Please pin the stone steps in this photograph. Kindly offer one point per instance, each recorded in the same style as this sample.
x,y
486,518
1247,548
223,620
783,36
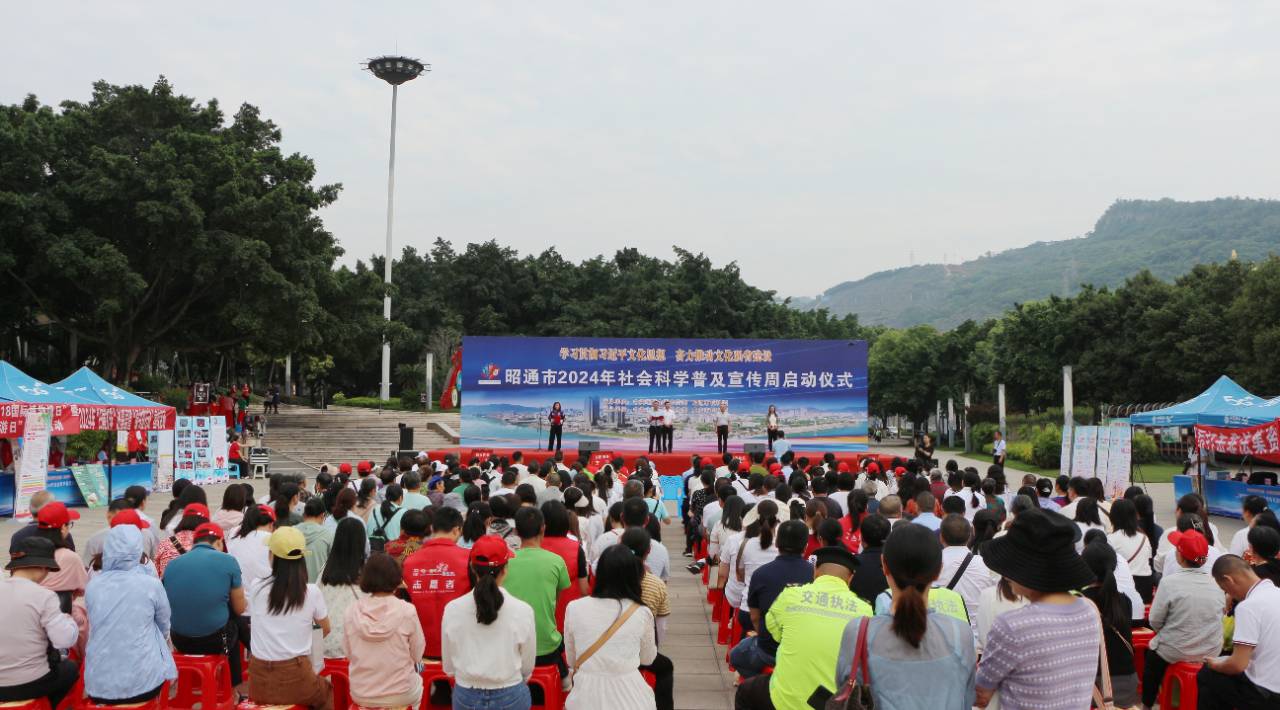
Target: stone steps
x,y
337,434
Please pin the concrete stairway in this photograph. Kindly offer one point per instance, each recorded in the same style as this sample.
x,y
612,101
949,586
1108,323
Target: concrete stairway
x,y
336,434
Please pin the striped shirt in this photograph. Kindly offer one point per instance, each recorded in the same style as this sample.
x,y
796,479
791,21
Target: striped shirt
x,y
1043,656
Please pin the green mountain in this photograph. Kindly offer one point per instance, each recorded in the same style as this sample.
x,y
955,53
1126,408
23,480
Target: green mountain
x,y
1165,236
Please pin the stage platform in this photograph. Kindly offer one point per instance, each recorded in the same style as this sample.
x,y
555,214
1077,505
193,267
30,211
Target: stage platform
x,y
667,464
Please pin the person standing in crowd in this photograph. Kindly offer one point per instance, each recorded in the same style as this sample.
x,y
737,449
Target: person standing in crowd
x,y
34,623
536,577
608,636
556,419
1186,614
382,640
436,574
1025,658
127,659
772,425
284,608
206,596
1116,612
1248,679
340,581
806,621
488,635
655,427
384,523
998,448
722,429
668,426
924,452
319,538
916,657
755,653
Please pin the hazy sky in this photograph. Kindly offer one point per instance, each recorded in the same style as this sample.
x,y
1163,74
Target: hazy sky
x,y
810,142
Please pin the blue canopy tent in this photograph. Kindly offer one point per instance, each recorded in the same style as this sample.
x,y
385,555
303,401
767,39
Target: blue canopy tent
x,y
18,386
86,385
1225,404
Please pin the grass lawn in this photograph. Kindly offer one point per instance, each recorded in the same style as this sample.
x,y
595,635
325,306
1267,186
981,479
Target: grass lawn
x,y
1159,472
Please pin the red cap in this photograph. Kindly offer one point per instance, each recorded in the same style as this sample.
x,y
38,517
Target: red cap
x,y
842,467
490,551
344,467
775,469
199,509
204,530
364,466
129,517
54,515
899,471
1191,545
268,511
873,467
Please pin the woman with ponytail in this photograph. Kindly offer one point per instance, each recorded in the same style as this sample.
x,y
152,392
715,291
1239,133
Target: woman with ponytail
x,y
911,643
815,511
488,636
1116,610
755,550
972,494
475,524
852,522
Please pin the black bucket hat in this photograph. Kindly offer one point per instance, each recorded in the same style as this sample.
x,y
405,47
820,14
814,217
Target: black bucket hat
x,y
1039,552
32,552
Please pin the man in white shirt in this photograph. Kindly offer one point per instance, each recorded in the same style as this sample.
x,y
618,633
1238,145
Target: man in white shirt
x,y
962,571
517,462
655,427
723,471
668,426
997,449
722,429
1248,679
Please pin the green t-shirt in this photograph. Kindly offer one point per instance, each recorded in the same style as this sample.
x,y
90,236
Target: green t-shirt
x,y
808,622
536,577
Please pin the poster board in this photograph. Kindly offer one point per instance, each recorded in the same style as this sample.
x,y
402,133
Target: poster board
x,y
1083,451
218,449
200,449
34,461
1119,458
1103,451
1064,459
160,447
91,479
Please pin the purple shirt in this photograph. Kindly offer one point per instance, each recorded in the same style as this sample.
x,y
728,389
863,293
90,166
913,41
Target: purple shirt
x,y
1043,657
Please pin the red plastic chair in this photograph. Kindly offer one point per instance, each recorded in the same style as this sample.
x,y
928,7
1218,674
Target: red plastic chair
x,y
432,671
548,678
250,705
156,703
1184,676
203,680
650,679
1141,640
33,704
338,671
724,632
718,604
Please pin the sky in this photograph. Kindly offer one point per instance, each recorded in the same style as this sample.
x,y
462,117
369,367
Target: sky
x,y
811,143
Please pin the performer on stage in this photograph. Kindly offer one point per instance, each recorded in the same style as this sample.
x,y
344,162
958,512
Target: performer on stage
x,y
668,425
722,429
771,422
556,417
655,427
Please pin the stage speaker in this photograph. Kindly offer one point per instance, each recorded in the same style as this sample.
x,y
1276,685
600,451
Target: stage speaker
x,y
411,453
406,437
754,448
586,447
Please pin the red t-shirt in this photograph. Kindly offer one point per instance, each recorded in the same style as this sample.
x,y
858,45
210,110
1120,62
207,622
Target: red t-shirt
x,y
233,451
852,536
436,574
569,550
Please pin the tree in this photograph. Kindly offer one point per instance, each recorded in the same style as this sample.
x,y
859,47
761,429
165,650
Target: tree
x,y
903,368
140,219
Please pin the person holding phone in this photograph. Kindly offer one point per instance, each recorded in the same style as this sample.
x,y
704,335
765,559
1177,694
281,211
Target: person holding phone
x,y
556,418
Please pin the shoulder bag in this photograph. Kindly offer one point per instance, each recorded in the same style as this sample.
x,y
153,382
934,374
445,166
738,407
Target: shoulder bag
x,y
854,695
960,572
604,638
1103,697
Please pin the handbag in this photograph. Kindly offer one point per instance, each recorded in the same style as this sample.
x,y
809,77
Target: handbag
x,y
854,695
604,638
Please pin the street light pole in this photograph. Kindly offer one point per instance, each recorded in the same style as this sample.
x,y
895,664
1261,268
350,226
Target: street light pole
x,y
394,71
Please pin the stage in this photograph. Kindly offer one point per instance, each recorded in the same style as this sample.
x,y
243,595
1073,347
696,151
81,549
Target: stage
x,y
671,464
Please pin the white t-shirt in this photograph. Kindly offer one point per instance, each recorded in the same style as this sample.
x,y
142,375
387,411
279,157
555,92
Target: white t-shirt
x,y
254,557
1137,547
1258,625
735,592
280,637
669,417
997,449
753,558
1239,542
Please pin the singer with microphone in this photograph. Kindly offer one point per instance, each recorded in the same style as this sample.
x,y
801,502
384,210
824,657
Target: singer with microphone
x,y
556,418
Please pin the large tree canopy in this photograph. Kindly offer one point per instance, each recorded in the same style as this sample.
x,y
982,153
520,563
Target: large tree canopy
x,y
141,219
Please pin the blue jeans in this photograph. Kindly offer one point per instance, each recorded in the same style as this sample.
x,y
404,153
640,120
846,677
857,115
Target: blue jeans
x,y
515,697
749,659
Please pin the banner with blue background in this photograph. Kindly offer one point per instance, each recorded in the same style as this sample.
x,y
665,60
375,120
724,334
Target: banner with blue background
x,y
606,388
